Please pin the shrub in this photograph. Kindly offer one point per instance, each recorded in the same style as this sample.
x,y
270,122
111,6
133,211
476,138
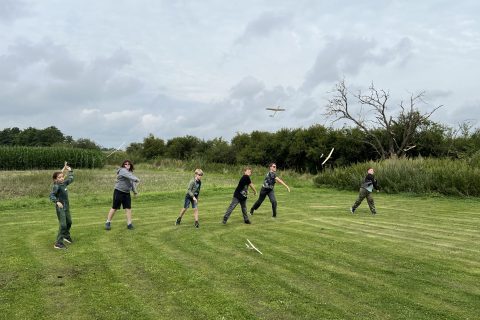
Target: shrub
x,y
421,176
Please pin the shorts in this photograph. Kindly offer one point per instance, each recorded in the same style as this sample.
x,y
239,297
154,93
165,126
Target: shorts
x,y
121,198
189,200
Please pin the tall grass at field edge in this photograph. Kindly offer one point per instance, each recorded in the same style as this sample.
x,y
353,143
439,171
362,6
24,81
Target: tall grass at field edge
x,y
418,176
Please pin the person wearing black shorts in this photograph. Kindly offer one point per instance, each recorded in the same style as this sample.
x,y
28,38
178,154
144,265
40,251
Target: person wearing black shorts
x,y
126,182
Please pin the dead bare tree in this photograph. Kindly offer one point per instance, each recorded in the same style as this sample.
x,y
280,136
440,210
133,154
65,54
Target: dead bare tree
x,y
374,115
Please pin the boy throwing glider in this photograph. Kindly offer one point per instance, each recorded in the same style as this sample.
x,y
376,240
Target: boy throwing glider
x,y
369,183
267,190
240,196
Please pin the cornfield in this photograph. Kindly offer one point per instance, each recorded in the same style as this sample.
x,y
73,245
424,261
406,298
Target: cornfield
x,y
27,158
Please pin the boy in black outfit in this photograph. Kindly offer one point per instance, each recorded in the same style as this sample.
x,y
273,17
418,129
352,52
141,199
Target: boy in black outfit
x,y
240,196
366,190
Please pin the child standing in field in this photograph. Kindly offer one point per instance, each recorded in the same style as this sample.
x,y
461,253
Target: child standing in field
x,y
193,191
59,196
126,182
369,183
240,196
267,190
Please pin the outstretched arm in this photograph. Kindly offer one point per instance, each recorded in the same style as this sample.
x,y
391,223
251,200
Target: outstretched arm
x,y
70,173
281,182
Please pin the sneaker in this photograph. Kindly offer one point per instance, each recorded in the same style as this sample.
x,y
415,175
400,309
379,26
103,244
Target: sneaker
x,y
224,221
352,211
374,212
177,222
130,226
59,245
107,226
251,211
68,240
197,225
247,222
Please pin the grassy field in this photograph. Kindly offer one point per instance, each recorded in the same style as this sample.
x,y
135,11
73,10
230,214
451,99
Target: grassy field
x,y
419,258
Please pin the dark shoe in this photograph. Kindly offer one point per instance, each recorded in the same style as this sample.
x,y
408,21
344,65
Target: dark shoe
x,y
247,222
224,221
197,225
251,211
374,212
352,211
107,226
68,240
59,245
177,222
130,226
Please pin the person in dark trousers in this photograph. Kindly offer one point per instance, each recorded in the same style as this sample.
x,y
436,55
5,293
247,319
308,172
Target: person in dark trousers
x,y
59,196
126,182
240,196
366,189
267,190
193,191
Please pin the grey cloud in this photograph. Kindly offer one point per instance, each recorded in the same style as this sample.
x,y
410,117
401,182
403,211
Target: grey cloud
x,y
264,25
438,94
18,57
11,10
347,56
47,75
452,115
307,109
248,87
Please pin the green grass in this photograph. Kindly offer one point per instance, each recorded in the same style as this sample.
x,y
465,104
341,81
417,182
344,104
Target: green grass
x,y
417,259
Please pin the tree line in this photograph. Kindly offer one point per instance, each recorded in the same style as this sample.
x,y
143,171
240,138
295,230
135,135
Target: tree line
x,y
304,149
48,137
300,149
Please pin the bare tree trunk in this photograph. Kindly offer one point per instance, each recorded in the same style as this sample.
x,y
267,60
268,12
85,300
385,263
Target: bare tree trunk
x,y
376,117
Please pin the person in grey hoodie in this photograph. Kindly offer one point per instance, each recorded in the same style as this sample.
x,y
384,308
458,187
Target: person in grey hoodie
x,y
126,182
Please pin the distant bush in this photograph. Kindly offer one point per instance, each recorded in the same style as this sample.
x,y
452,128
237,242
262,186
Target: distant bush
x,y
26,158
421,176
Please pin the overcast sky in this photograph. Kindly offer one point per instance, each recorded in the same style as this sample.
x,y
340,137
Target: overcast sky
x,y
115,71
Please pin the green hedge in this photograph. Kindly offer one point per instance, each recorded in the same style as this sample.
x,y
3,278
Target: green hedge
x,y
26,158
421,176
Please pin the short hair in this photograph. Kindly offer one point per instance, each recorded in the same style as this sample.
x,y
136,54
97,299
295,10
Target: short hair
x,y
131,164
247,168
199,172
55,174
271,164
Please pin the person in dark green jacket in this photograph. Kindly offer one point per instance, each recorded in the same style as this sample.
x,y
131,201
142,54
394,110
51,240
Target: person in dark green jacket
x,y
59,196
193,191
